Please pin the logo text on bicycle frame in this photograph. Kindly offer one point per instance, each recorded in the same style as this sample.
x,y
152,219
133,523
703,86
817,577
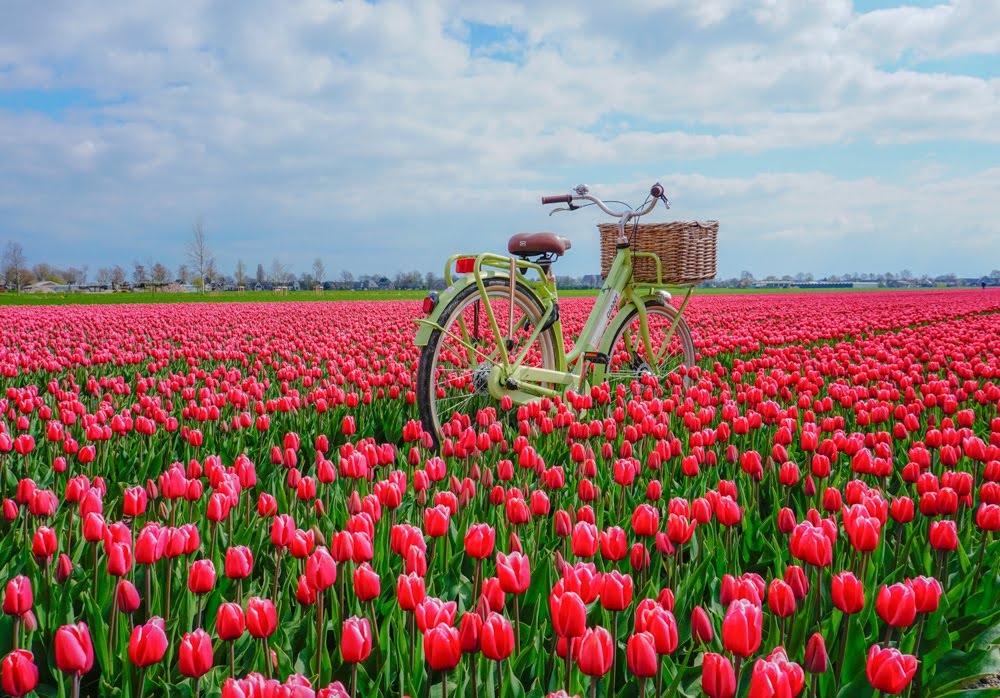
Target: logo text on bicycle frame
x,y
607,303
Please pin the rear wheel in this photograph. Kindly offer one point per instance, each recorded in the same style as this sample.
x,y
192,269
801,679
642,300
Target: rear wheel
x,y
628,359
455,365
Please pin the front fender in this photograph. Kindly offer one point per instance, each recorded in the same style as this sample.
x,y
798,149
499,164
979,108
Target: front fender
x,y
622,315
427,325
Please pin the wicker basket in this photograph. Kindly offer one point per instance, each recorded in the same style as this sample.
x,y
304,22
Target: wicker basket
x,y
686,250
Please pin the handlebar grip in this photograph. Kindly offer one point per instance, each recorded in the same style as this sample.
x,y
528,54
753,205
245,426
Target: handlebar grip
x,y
557,199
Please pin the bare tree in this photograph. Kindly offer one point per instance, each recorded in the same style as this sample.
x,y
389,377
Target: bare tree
x,y
183,275
210,274
319,271
117,276
160,274
241,272
261,276
346,278
278,271
103,276
14,264
138,273
198,253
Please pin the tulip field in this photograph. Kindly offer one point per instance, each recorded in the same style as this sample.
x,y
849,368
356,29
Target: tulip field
x,y
239,500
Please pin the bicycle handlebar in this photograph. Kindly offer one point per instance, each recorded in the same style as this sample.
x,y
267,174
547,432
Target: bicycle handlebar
x,y
656,192
557,199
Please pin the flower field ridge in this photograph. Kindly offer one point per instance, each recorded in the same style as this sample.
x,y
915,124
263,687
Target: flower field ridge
x,y
239,500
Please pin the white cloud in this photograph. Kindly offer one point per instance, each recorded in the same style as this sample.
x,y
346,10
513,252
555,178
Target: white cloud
x,y
285,124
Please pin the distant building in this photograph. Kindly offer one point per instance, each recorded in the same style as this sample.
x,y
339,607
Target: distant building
x,y
45,287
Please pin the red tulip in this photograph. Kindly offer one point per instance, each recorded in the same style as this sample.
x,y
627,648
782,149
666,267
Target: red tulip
x,y
741,627
321,569
409,591
366,583
569,615
432,612
126,596
441,647
74,650
195,654
514,572
616,591
239,562
640,655
889,670
780,598
479,541
356,640
201,577
469,630
926,593
595,652
944,535
816,660
17,599
848,593
896,605
776,676
496,639
585,539
148,643
718,679
261,617
614,544
645,520
18,673
810,543
230,621
701,626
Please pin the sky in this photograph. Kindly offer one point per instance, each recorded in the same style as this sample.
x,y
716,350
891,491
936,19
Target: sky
x,y
826,136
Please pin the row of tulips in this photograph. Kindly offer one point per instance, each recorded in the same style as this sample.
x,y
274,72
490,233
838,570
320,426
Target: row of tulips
x,y
546,548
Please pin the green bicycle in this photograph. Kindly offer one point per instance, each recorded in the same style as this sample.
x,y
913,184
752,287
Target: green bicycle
x,y
496,331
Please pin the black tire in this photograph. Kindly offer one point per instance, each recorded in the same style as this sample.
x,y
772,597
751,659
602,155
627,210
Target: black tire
x,y
530,305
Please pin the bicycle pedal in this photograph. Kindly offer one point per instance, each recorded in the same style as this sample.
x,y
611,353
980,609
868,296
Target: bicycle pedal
x,y
597,357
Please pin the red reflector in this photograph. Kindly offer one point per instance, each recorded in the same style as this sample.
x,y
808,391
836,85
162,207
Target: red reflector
x,y
465,265
429,304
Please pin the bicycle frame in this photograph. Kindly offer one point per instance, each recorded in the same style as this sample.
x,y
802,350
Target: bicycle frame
x,y
617,294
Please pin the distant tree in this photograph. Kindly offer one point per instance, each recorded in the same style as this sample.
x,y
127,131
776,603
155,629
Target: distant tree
x,y
14,264
117,276
159,273
307,280
75,275
43,271
995,274
905,274
103,276
346,278
138,273
198,252
183,275
241,272
278,271
261,277
319,271
211,274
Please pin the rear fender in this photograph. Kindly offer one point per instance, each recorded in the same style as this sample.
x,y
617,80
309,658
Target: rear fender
x,y
427,325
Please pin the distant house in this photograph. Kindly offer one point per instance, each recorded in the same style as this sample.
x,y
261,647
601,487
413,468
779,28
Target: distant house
x,y
367,285
592,281
45,287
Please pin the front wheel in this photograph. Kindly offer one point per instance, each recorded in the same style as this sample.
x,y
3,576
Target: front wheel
x,y
671,360
455,365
